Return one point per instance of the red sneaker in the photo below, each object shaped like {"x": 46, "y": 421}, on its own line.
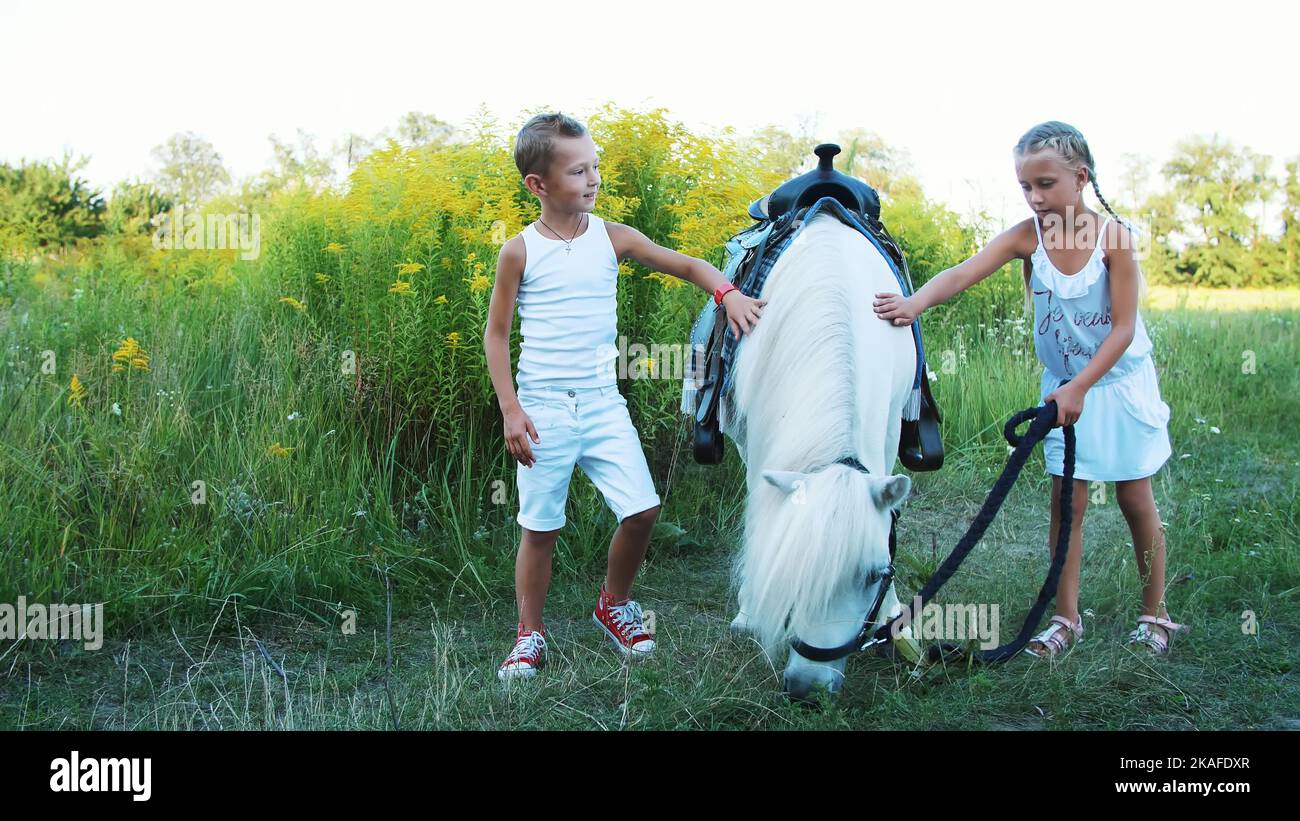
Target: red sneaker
{"x": 528, "y": 655}
{"x": 622, "y": 623}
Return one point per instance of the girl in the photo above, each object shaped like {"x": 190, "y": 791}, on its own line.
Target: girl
{"x": 1092, "y": 343}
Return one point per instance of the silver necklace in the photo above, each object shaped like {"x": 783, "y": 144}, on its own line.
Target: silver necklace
{"x": 568, "y": 243}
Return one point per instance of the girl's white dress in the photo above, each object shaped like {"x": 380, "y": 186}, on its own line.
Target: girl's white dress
{"x": 1123, "y": 431}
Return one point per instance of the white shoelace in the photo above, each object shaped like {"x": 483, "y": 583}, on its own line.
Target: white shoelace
{"x": 525, "y": 646}
{"x": 628, "y": 617}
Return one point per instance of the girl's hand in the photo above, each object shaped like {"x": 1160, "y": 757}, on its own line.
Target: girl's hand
{"x": 1069, "y": 403}
{"x": 742, "y": 311}
{"x": 518, "y": 429}
{"x": 897, "y": 308}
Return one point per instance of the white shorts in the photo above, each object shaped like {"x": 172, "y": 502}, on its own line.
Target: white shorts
{"x": 589, "y": 427}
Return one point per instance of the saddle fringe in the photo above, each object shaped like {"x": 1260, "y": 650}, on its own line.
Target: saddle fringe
{"x": 912, "y": 410}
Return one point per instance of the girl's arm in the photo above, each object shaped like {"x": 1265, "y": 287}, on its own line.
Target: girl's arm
{"x": 1122, "y": 264}
{"x": 1008, "y": 245}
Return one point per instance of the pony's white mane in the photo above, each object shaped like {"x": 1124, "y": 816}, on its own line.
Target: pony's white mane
{"x": 819, "y": 378}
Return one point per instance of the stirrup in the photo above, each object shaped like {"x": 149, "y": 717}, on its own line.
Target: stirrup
{"x": 920, "y": 445}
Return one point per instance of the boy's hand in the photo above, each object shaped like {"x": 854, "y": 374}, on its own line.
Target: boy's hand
{"x": 518, "y": 428}
{"x": 1069, "y": 403}
{"x": 900, "y": 310}
{"x": 742, "y": 311}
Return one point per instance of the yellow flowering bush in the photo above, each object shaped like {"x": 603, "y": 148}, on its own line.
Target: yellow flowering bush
{"x": 440, "y": 213}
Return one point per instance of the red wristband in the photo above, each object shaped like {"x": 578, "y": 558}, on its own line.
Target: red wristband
{"x": 722, "y": 291}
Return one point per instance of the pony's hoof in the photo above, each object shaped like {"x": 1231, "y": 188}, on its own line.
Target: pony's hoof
{"x": 740, "y": 625}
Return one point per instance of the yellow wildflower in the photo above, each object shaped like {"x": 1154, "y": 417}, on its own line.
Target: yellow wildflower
{"x": 334, "y": 248}
{"x": 479, "y": 282}
{"x": 441, "y": 300}
{"x": 453, "y": 340}
{"x": 322, "y": 278}
{"x": 665, "y": 280}
{"x": 76, "y": 392}
{"x": 132, "y": 354}
{"x": 409, "y": 268}
{"x": 279, "y": 450}
{"x": 293, "y": 303}
{"x": 400, "y": 287}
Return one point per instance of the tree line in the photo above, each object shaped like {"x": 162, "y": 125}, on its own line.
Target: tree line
{"x": 1218, "y": 215}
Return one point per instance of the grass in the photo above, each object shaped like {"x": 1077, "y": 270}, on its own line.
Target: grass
{"x": 230, "y": 613}
{"x": 445, "y": 652}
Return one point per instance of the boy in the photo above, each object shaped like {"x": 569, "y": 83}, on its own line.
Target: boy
{"x": 563, "y": 272}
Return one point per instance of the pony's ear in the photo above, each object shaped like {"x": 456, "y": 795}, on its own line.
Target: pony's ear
{"x": 787, "y": 480}
{"x": 889, "y": 493}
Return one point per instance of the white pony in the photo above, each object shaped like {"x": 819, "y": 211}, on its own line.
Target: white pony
{"x": 819, "y": 378}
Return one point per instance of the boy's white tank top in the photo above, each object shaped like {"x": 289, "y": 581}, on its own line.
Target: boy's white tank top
{"x": 568, "y": 310}
{"x": 1072, "y": 315}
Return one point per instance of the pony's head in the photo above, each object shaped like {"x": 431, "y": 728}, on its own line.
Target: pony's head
{"x": 814, "y": 540}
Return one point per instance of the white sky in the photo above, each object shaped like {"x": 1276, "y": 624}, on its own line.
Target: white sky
{"x": 954, "y": 84}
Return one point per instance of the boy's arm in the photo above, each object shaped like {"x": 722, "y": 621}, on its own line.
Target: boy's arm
{"x": 501, "y": 314}
{"x": 629, "y": 243}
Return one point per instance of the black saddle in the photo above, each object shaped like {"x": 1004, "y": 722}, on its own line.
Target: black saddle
{"x": 822, "y": 181}
{"x": 920, "y": 446}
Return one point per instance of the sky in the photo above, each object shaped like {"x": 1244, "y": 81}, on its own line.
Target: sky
{"x": 953, "y": 85}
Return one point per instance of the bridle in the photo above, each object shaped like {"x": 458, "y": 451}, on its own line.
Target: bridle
{"x": 883, "y": 576}
{"x": 1042, "y": 419}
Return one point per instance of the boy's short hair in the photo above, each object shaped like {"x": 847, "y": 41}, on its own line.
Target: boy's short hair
{"x": 533, "y": 147}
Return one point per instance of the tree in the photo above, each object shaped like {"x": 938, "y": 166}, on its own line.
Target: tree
{"x": 46, "y": 203}
{"x": 1218, "y": 185}
{"x": 190, "y": 169}
{"x": 416, "y": 129}
{"x": 775, "y": 148}
{"x": 1133, "y": 181}
{"x": 133, "y": 206}
{"x": 1290, "y": 241}
{"x": 413, "y": 130}
{"x": 298, "y": 167}
{"x": 863, "y": 154}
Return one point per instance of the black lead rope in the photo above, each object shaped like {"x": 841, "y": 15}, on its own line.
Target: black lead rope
{"x": 1044, "y": 419}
